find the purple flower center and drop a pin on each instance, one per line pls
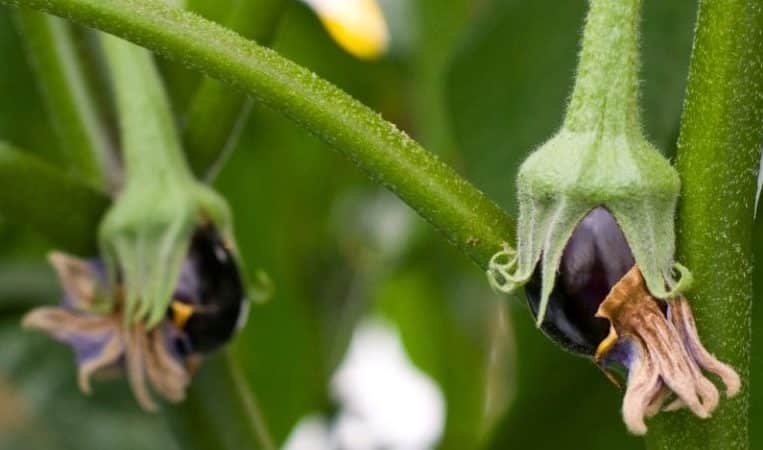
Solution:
(595, 258)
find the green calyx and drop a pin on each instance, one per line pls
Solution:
(144, 237)
(600, 157)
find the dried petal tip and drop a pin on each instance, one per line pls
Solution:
(101, 342)
(663, 354)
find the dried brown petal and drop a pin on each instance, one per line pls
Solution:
(102, 341)
(666, 355)
(683, 320)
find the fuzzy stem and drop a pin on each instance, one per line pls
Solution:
(150, 147)
(74, 114)
(468, 219)
(217, 112)
(718, 157)
(605, 96)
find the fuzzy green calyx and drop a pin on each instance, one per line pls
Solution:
(600, 157)
(145, 236)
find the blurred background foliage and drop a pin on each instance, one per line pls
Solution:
(479, 82)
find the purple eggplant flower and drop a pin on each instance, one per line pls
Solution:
(205, 311)
(601, 307)
(101, 341)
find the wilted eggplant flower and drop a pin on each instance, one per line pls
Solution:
(207, 306)
(600, 307)
(596, 240)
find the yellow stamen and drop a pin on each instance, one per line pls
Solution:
(181, 312)
(606, 345)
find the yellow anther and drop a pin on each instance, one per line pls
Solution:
(606, 345)
(181, 312)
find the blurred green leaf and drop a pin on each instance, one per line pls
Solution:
(562, 401)
(53, 204)
(201, 422)
(72, 109)
(22, 116)
(448, 335)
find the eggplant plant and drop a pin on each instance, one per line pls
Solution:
(162, 199)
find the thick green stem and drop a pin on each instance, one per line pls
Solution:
(718, 156)
(73, 112)
(455, 207)
(217, 112)
(605, 97)
(756, 378)
(39, 196)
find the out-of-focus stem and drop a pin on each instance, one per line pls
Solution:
(74, 114)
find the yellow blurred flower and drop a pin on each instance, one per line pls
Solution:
(358, 26)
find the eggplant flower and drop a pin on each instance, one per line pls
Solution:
(207, 307)
(600, 307)
(144, 235)
(596, 240)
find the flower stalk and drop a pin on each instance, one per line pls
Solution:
(73, 111)
(605, 98)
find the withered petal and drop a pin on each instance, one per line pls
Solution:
(666, 354)
(109, 355)
(656, 404)
(683, 320)
(78, 279)
(643, 385)
(165, 372)
(136, 373)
